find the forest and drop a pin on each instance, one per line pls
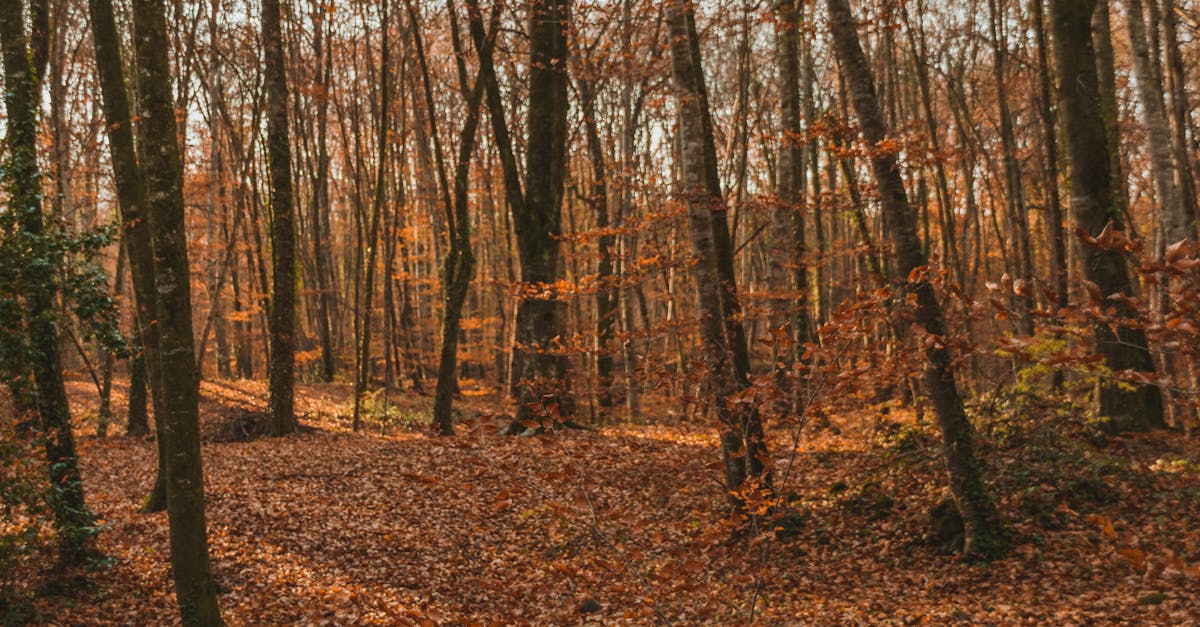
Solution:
(584, 312)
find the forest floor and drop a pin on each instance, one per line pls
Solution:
(623, 525)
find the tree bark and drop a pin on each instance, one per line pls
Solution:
(788, 267)
(1096, 205)
(607, 298)
(984, 533)
(541, 312)
(1180, 110)
(72, 520)
(1177, 223)
(136, 220)
(282, 372)
(1101, 28)
(177, 376)
(742, 446)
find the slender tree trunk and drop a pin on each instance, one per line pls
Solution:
(1180, 111)
(1101, 28)
(321, 239)
(607, 298)
(742, 445)
(1177, 223)
(1096, 206)
(916, 37)
(625, 207)
(72, 519)
(788, 268)
(283, 228)
(1014, 190)
(131, 199)
(984, 534)
(458, 267)
(178, 379)
(1054, 215)
(362, 375)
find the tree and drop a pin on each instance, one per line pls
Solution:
(541, 314)
(743, 448)
(787, 216)
(131, 200)
(1177, 222)
(363, 357)
(1096, 207)
(541, 371)
(458, 266)
(41, 259)
(178, 380)
(983, 533)
(283, 228)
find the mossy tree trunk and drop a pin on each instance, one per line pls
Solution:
(48, 394)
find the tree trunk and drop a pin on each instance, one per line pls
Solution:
(1096, 205)
(788, 268)
(1101, 28)
(458, 267)
(178, 380)
(742, 445)
(283, 229)
(1016, 215)
(607, 298)
(984, 534)
(541, 313)
(1180, 111)
(321, 239)
(363, 372)
(72, 519)
(1177, 224)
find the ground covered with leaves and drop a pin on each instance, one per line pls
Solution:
(624, 525)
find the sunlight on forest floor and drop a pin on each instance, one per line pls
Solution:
(332, 527)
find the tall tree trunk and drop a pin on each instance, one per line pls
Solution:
(1096, 206)
(458, 267)
(363, 372)
(813, 160)
(1101, 28)
(177, 377)
(1177, 224)
(72, 519)
(1049, 120)
(131, 199)
(541, 313)
(318, 215)
(788, 268)
(1180, 111)
(1014, 191)
(916, 38)
(283, 228)
(984, 534)
(742, 446)
(629, 121)
(607, 298)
